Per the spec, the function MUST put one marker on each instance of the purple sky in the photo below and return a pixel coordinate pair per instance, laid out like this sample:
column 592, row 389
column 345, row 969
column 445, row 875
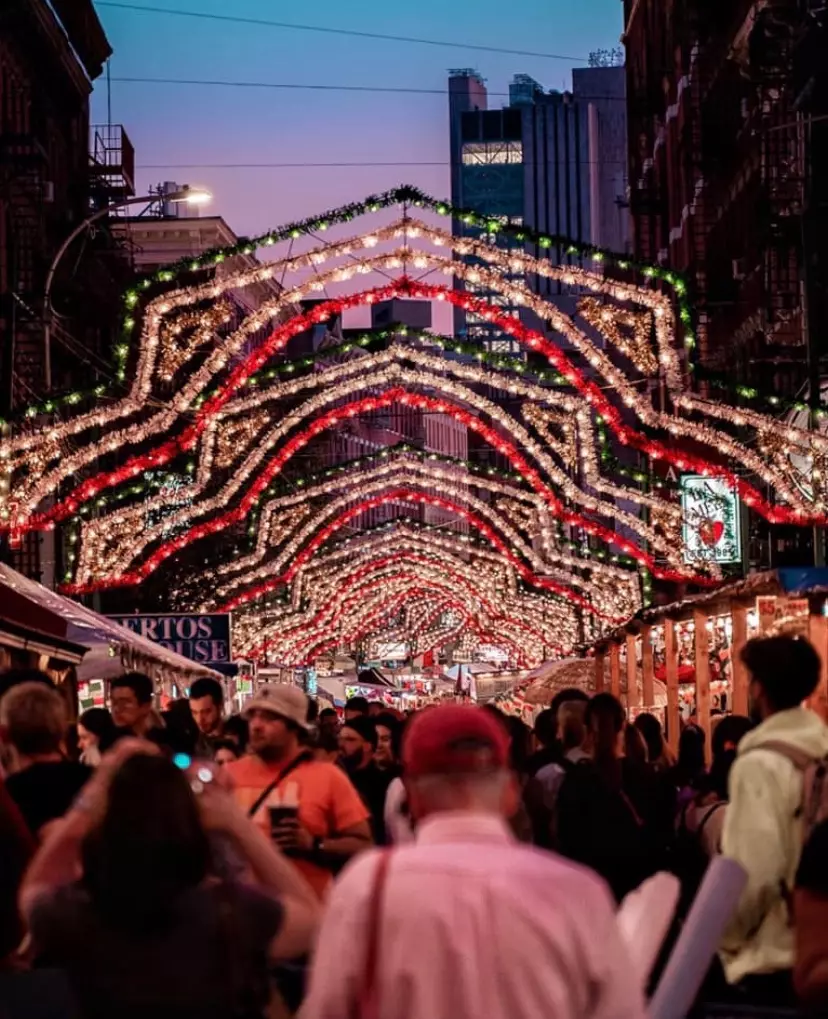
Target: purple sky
column 208, row 125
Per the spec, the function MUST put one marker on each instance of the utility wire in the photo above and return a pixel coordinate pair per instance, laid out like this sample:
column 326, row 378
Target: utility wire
column 381, row 36
column 403, row 162
column 394, row 89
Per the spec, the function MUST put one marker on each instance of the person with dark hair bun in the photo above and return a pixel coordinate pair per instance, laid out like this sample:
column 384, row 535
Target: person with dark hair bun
column 237, row 730
column 96, row 734
column 225, row 752
column 763, row 826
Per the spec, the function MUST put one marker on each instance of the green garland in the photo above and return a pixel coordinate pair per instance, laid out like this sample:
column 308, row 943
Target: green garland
column 344, row 214
column 720, row 381
column 369, row 341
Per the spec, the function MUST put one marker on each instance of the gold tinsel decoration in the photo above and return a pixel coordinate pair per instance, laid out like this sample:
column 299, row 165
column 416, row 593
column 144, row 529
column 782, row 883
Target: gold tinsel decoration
column 628, row 331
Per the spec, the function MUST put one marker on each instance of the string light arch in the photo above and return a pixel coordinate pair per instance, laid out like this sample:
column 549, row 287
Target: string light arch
column 200, row 395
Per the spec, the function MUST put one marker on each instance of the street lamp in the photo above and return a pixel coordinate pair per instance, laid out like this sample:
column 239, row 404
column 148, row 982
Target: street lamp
column 186, row 195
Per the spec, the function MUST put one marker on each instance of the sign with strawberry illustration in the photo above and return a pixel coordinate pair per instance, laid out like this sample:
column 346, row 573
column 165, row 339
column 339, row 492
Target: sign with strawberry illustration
column 711, row 521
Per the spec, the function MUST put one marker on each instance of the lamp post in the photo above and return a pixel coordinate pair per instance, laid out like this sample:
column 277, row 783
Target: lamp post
column 190, row 196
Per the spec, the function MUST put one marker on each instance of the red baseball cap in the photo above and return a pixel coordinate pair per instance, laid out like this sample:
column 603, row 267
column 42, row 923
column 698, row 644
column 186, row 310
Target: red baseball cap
column 452, row 739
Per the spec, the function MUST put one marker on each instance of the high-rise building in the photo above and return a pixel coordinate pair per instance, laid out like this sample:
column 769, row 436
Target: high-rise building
column 553, row 161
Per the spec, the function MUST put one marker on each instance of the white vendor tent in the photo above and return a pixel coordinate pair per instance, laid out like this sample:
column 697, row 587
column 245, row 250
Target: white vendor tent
column 113, row 649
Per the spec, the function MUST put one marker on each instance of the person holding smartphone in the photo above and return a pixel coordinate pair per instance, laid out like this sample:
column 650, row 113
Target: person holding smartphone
column 123, row 897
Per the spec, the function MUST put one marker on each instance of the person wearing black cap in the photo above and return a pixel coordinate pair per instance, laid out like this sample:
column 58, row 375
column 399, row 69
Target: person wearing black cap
column 357, row 747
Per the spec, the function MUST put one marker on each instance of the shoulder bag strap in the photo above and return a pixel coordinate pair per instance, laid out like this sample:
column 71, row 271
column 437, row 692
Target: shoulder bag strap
column 306, row 755
column 366, row 1004
column 715, row 807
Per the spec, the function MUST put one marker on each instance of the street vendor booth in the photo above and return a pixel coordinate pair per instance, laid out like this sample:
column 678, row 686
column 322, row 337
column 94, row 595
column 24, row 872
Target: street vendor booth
column 33, row 637
column 695, row 645
column 100, row 648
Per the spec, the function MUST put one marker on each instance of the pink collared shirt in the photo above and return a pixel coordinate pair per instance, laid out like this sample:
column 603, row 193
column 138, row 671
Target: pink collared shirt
column 475, row 926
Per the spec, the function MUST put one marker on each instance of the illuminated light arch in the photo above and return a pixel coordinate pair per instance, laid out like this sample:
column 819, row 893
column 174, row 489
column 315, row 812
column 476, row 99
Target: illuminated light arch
column 309, row 650
column 408, row 495
column 377, row 570
column 406, row 472
column 392, row 396
column 407, row 287
column 491, row 576
column 404, row 494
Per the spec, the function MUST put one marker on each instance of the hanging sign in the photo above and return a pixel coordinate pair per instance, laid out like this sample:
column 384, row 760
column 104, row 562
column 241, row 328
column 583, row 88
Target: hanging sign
column 711, row 526
column 203, row 638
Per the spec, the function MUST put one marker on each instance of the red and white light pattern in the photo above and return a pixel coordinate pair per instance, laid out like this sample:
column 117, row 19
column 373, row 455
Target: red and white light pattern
column 191, row 394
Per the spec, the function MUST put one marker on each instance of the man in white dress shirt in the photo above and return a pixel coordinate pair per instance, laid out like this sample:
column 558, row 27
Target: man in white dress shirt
column 467, row 922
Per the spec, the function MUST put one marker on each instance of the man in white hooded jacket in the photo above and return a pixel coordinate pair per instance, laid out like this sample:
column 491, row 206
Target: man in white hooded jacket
column 763, row 826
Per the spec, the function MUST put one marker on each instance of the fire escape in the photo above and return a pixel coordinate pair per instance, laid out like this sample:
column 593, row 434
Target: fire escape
column 783, row 178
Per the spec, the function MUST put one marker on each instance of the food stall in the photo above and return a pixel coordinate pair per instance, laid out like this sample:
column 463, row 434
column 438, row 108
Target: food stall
column 694, row 645
column 100, row 648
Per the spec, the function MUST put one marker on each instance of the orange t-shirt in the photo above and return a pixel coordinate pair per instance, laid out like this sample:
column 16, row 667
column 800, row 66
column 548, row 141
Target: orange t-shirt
column 328, row 803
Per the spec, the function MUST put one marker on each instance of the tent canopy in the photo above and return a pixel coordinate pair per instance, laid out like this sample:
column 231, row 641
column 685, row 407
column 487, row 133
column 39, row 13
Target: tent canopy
column 113, row 649
column 551, row 678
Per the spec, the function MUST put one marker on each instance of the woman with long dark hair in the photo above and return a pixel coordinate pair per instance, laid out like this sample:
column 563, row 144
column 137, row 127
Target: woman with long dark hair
column 146, row 929
column 96, row 734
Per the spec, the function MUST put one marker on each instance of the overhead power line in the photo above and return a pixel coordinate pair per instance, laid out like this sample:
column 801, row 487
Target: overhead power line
column 286, row 166
column 313, row 87
column 354, row 33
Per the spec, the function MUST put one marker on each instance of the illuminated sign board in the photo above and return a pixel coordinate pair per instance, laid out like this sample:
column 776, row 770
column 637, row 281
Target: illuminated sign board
column 710, row 521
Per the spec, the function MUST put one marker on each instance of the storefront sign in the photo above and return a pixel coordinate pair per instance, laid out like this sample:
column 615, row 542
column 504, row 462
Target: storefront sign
column 711, row 525
column 396, row 652
column 778, row 614
column 203, row 638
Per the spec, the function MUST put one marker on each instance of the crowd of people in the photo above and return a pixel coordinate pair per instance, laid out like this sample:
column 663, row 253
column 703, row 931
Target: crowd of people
column 452, row 863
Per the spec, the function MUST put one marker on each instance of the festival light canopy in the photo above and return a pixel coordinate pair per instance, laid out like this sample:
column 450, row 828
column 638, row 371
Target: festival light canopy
column 549, row 530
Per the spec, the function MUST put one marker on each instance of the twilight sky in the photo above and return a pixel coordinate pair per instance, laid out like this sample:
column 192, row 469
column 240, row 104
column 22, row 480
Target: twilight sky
column 178, row 124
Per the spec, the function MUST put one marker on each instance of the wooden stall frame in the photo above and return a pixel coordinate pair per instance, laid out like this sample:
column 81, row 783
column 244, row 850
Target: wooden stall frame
column 738, row 671
column 615, row 670
column 671, row 677
column 647, row 670
column 600, row 662
column 702, row 645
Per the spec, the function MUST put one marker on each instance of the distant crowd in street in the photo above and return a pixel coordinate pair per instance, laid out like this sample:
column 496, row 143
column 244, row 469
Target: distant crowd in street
column 453, row 863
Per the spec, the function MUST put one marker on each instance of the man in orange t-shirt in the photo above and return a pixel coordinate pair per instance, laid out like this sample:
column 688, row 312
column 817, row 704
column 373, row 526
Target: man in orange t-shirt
column 332, row 823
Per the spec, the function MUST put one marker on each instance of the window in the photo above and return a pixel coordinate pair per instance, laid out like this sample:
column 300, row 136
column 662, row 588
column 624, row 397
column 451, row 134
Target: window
column 504, row 347
column 491, row 153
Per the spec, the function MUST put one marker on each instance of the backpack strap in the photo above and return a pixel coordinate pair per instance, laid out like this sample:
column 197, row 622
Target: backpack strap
column 798, row 758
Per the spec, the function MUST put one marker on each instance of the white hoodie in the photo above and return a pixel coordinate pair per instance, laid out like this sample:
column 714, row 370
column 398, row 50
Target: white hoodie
column 763, row 833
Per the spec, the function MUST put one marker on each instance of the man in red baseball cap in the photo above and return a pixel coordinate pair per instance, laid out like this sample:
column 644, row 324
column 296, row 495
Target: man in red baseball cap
column 466, row 921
